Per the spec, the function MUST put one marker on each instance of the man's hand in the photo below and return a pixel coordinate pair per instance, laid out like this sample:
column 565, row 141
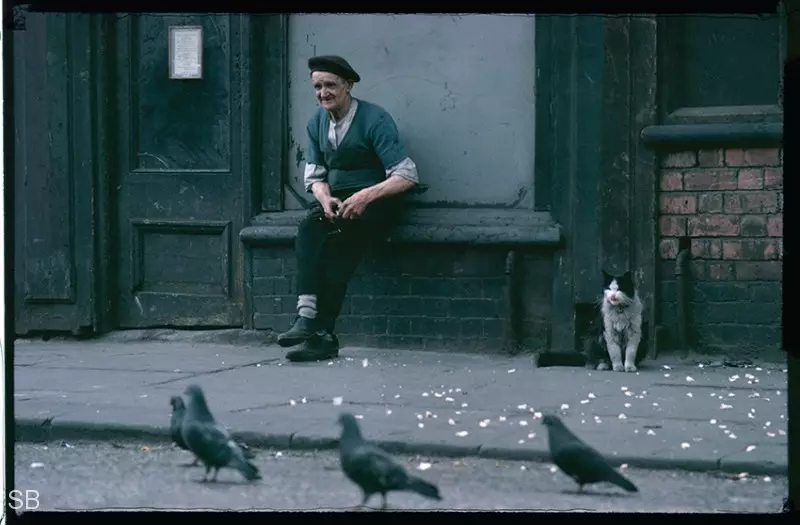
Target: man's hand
column 331, row 207
column 353, row 207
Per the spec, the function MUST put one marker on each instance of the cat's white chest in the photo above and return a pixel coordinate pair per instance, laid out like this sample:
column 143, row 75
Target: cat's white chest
column 619, row 326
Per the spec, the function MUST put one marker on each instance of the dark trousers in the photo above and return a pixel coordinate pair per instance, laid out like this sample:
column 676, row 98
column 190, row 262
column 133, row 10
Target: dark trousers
column 328, row 253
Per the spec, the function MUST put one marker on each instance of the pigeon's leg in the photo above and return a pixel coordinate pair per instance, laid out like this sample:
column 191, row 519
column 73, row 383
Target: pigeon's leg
column 205, row 477
column 580, row 487
column 365, row 499
column 214, row 477
column 385, row 503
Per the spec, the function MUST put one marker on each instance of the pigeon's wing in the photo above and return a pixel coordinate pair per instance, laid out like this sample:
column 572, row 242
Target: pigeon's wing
column 209, row 442
column 371, row 466
column 246, row 451
column 582, row 462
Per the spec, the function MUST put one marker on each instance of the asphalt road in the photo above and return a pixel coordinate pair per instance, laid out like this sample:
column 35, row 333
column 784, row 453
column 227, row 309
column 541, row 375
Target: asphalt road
column 135, row 475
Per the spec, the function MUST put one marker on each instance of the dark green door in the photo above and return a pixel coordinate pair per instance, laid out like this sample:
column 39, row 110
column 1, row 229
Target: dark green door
column 183, row 167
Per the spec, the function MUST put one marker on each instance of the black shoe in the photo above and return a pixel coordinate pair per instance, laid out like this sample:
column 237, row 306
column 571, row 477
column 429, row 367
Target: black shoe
column 302, row 329
column 321, row 347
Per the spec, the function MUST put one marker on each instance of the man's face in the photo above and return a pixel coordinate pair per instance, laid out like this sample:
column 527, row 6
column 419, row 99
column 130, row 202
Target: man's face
column 331, row 90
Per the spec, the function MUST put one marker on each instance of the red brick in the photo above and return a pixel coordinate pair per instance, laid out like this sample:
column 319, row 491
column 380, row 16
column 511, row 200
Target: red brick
column 753, row 226
column 699, row 270
column 752, row 157
column 775, row 226
column 671, row 181
column 732, row 202
column 668, row 248
column 732, row 250
column 759, row 201
column 672, row 226
column 734, row 157
column 721, row 271
column 773, row 178
column 709, row 203
column 711, row 158
column 762, row 157
column 710, row 180
column 706, row 249
column 752, row 250
column 678, row 204
column 759, row 271
column 713, row 226
column 684, row 159
column 770, row 250
column 751, row 179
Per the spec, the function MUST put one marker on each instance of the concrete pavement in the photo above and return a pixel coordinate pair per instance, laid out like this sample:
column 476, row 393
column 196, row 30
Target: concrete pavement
column 671, row 414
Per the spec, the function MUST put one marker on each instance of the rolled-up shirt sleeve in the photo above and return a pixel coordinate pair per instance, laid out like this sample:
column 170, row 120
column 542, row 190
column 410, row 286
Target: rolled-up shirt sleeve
column 406, row 168
column 314, row 173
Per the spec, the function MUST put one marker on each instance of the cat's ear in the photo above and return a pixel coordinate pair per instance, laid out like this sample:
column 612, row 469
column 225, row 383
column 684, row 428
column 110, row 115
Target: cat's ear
column 629, row 277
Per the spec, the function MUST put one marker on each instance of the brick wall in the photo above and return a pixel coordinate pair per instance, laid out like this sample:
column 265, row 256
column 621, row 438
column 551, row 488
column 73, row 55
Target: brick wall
column 422, row 297
column 728, row 203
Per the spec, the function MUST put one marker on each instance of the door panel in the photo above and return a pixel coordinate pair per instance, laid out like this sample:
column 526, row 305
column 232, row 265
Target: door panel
column 53, row 170
column 183, row 162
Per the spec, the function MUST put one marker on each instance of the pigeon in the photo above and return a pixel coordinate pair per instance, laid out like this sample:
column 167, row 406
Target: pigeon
column 578, row 460
column 175, row 425
column 210, row 442
column 373, row 469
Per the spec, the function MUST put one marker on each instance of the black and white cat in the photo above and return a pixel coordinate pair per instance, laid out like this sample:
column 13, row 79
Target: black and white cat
column 617, row 332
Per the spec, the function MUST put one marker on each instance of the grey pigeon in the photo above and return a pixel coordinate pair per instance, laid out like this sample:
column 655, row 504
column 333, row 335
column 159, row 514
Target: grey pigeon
column 175, row 426
column 373, row 469
column 578, row 460
column 210, row 442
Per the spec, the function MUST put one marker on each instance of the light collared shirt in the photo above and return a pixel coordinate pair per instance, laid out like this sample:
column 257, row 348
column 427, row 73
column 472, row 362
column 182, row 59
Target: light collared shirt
column 336, row 133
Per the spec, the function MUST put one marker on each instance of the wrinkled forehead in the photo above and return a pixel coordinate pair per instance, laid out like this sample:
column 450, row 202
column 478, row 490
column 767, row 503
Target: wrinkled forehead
column 325, row 78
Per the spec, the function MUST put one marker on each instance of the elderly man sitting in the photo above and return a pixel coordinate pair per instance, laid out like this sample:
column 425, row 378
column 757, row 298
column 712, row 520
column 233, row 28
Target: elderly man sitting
column 357, row 168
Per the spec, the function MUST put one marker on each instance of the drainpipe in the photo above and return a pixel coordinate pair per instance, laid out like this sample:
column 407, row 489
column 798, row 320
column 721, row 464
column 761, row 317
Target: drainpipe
column 513, row 335
column 682, row 275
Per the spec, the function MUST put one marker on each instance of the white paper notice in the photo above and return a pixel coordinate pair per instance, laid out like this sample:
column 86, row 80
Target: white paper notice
column 187, row 52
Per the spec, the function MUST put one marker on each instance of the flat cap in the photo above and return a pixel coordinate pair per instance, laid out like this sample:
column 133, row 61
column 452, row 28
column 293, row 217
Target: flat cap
column 333, row 64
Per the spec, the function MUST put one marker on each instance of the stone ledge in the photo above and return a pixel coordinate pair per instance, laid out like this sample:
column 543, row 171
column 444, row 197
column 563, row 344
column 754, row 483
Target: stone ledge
column 477, row 226
column 694, row 136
